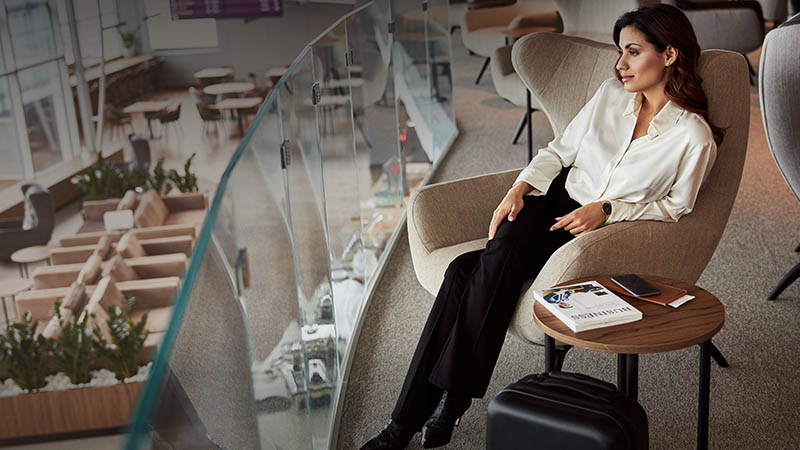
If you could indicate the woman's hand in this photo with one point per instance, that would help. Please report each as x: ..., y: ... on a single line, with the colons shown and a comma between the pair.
x: 509, y: 207
x: 582, y: 220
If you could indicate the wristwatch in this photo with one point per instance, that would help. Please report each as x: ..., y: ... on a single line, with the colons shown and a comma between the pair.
x: 607, y: 208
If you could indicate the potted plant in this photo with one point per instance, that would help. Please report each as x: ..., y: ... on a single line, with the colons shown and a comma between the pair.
x: 128, y: 42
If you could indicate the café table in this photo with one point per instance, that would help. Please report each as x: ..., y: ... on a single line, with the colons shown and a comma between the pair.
x: 233, y: 87
x: 237, y: 104
x: 140, y: 108
x: 213, y: 73
x: 29, y: 255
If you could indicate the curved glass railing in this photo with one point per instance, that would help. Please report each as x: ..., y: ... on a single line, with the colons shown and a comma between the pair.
x: 257, y: 348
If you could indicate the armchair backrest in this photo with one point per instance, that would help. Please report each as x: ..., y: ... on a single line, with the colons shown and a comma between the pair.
x: 778, y: 82
x: 563, y: 84
x: 39, y: 210
x: 141, y: 153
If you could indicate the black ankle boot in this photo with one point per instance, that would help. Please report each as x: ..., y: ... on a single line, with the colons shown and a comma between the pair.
x: 393, y: 436
x: 438, y: 430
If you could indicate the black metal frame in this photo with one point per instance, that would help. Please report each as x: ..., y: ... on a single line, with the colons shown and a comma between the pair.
x: 526, y: 121
x: 790, y: 277
x: 483, y: 69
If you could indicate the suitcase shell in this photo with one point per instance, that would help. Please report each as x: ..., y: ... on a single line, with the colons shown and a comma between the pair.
x: 565, y: 411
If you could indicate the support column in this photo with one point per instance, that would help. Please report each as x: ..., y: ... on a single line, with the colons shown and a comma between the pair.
x: 84, y: 101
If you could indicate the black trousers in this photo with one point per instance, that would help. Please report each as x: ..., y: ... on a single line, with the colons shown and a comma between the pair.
x: 467, y: 325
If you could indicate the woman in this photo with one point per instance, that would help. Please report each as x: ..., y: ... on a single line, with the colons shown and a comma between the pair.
x: 639, y: 149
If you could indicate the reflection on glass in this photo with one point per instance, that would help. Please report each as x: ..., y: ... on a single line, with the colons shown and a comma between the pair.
x: 31, y: 30
x: 38, y: 98
x: 11, y: 169
x: 310, y: 201
x: 2, y: 57
x: 310, y: 241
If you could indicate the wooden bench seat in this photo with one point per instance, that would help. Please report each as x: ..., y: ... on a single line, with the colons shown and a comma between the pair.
x: 62, y: 275
x: 157, y: 246
x: 89, y: 238
x: 152, y: 293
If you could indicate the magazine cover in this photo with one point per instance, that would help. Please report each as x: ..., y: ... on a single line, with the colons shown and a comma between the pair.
x: 586, y: 306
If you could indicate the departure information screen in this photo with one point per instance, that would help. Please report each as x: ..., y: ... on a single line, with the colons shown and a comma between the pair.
x: 221, y: 9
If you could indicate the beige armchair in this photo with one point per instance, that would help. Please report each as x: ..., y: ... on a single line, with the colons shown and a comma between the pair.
x: 563, y: 72
x: 482, y: 29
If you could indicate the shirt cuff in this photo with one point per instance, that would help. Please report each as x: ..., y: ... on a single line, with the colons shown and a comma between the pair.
x: 538, y: 184
x: 533, y: 191
x: 619, y: 211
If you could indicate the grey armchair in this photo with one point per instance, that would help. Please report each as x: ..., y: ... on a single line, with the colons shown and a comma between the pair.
x: 779, y: 77
x: 35, y: 228
x: 736, y: 26
x: 562, y: 73
x: 774, y: 10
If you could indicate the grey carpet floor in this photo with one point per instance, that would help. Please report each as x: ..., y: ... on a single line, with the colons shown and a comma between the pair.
x: 753, y: 402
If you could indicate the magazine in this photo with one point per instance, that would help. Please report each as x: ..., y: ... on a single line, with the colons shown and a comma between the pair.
x: 586, y: 306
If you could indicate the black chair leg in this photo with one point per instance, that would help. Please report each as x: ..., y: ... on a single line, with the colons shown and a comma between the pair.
x: 560, y: 355
x: 797, y: 249
x: 522, y: 124
x: 787, y: 280
x: 483, y: 69
x: 753, y: 74
x: 718, y: 357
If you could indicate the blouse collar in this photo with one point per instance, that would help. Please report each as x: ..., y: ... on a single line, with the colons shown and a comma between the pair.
x: 663, y: 121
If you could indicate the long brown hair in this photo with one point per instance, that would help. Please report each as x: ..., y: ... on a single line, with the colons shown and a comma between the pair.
x: 665, y: 25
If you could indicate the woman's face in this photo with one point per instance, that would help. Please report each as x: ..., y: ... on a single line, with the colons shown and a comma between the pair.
x: 640, y: 65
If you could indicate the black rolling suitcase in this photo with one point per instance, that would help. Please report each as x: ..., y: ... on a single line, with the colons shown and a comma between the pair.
x: 564, y: 411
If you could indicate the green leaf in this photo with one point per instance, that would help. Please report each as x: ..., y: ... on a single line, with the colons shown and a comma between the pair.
x: 26, y: 355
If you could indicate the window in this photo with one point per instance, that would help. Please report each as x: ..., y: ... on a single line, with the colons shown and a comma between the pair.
x: 31, y: 32
x: 88, y: 19
x: 12, y: 167
x: 168, y: 34
x: 36, y: 82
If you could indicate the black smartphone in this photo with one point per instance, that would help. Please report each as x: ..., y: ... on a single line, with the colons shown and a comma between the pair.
x: 635, y: 285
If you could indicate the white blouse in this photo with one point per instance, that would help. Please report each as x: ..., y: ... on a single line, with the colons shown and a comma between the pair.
x: 654, y: 177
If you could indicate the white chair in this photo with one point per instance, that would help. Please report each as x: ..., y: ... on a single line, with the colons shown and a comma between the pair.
x: 482, y: 29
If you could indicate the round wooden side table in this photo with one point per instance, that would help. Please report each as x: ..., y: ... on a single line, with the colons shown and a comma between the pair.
x: 10, y: 288
x: 29, y: 255
x: 661, y: 329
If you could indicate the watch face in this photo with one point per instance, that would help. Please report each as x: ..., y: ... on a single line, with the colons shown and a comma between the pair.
x: 607, y: 208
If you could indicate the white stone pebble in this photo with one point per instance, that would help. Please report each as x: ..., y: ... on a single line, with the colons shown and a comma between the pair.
x: 141, y: 375
x: 61, y: 382
x: 9, y: 388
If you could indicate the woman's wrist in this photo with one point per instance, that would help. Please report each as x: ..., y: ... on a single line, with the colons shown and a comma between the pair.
x: 521, y: 188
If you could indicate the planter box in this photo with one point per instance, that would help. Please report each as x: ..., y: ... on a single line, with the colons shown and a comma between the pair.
x: 70, y: 411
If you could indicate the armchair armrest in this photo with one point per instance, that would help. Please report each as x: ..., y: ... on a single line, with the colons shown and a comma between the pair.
x: 548, y: 19
x: 445, y: 214
x: 678, y: 250
x: 501, y: 61
x: 13, y: 223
